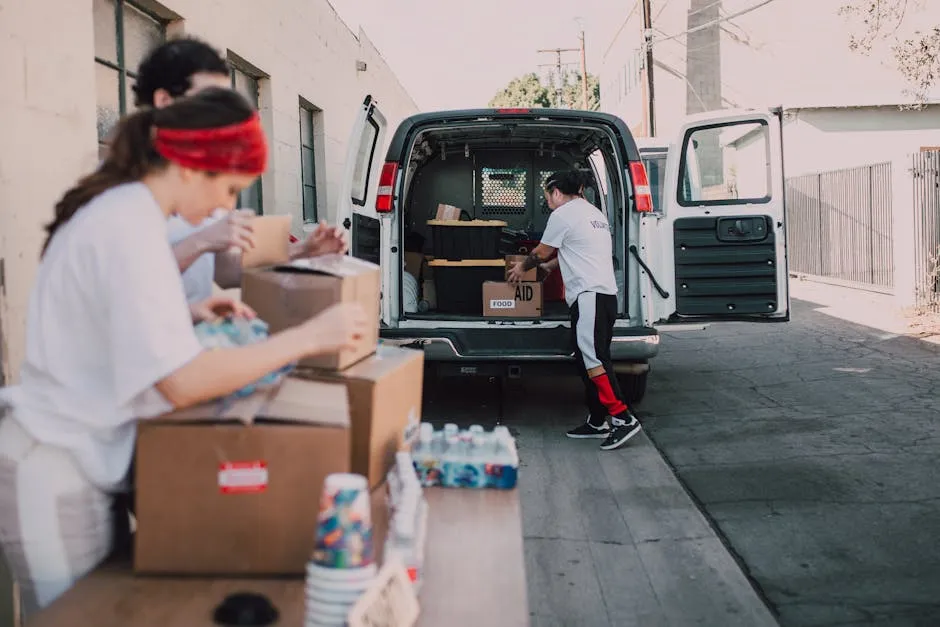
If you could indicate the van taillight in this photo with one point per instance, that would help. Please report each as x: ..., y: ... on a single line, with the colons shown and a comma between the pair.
x: 385, y: 197
x: 641, y: 187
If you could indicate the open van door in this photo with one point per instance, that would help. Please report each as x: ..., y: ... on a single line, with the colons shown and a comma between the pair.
x: 719, y: 241
x: 368, y: 234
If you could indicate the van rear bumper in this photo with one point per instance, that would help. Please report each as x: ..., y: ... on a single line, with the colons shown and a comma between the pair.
x: 637, y: 344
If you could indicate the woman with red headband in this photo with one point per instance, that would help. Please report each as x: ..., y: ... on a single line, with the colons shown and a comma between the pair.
x: 110, y: 340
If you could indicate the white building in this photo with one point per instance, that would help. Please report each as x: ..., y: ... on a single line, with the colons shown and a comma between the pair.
x: 67, y: 72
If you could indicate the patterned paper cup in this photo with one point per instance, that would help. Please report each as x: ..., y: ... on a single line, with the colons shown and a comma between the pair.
x: 344, y: 527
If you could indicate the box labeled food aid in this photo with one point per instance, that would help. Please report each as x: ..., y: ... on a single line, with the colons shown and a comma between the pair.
x: 504, y: 300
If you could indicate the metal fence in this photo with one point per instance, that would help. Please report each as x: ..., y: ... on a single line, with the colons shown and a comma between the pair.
x: 840, y: 226
x: 925, y: 176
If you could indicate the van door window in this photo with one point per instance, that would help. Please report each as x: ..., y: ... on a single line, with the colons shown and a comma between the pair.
x: 655, y: 165
x: 726, y: 165
x: 360, y: 182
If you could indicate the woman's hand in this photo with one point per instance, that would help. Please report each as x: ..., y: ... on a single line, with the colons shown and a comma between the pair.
x: 325, y: 240
x: 233, y: 232
x: 336, y: 329
x: 220, y: 306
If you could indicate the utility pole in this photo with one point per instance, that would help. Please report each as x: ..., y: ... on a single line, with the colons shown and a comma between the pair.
x: 584, y: 84
x: 648, y: 45
x: 561, y: 79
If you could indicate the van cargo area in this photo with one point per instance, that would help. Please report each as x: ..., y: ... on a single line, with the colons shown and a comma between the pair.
x: 472, y: 199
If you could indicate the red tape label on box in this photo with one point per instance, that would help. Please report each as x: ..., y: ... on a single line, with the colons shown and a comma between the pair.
x: 241, y: 477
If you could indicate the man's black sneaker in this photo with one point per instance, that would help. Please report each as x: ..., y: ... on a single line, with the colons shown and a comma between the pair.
x: 620, y: 434
x: 587, y: 430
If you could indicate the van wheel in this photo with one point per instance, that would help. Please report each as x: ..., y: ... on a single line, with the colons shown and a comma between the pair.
x: 633, y: 386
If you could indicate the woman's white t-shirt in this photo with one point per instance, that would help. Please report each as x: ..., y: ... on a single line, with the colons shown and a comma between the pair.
x: 107, y: 320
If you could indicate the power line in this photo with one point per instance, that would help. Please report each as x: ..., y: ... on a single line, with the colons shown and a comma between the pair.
x: 714, y: 22
x: 620, y: 30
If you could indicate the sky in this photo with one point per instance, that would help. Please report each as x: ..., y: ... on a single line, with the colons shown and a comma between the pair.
x: 460, y: 56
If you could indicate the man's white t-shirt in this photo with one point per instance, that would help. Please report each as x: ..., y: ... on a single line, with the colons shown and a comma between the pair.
x: 581, y: 233
x: 107, y: 320
x: 200, y: 276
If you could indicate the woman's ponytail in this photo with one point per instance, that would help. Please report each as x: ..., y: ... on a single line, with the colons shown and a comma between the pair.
x: 130, y: 157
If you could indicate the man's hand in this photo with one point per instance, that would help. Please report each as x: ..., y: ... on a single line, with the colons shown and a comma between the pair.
x: 533, y: 260
x: 234, y: 231
x: 220, y: 306
x: 325, y: 240
x: 516, y: 273
x: 543, y: 271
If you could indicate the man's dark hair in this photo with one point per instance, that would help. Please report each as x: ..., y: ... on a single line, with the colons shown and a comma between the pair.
x: 568, y: 182
x: 171, y: 66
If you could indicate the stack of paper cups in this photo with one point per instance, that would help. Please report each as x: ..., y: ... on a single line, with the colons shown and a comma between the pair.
x: 343, y: 564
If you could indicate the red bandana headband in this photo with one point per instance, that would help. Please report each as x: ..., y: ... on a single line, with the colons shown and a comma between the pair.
x: 237, y: 148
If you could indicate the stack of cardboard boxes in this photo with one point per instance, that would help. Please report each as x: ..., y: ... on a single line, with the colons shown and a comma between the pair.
x: 233, y: 487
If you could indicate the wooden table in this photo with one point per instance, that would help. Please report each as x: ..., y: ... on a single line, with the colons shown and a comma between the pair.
x: 474, y: 575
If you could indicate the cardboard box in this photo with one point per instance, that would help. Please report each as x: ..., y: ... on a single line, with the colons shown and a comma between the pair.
x: 447, y: 212
x: 414, y: 263
x: 233, y: 488
x: 287, y: 295
x: 384, y: 401
x: 502, y: 300
x: 511, y: 260
x: 272, y: 242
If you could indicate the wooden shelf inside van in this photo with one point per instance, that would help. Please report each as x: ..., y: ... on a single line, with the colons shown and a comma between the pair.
x: 463, y: 263
x: 465, y: 223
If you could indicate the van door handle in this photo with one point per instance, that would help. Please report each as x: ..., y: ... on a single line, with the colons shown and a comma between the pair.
x: 636, y: 255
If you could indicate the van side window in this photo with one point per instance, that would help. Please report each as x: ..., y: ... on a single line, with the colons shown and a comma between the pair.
x: 726, y: 165
x: 360, y: 184
x: 656, y: 173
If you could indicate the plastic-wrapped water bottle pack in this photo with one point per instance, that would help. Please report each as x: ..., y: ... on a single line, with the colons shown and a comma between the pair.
x: 233, y: 332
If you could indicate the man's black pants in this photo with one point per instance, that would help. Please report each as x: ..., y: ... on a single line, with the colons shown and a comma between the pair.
x: 592, y: 328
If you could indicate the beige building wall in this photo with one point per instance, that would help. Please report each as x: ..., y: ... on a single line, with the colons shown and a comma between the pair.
x: 300, y: 50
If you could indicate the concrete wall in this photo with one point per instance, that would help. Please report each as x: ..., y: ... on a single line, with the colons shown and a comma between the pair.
x: 49, y: 109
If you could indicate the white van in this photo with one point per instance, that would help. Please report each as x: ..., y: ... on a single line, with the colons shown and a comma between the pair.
x: 704, y: 243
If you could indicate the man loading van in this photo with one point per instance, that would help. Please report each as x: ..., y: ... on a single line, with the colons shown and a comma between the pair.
x: 580, y: 234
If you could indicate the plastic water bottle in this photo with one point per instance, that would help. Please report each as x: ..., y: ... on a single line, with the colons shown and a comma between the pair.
x: 505, y: 464
x: 477, y: 460
x: 452, y: 460
x: 426, y: 462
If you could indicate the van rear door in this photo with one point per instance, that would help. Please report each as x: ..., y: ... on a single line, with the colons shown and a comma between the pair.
x: 719, y: 242
x: 369, y: 233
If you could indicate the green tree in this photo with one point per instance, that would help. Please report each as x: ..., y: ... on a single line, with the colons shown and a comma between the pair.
x: 524, y: 91
x: 916, y: 54
x: 573, y: 94
x: 530, y: 91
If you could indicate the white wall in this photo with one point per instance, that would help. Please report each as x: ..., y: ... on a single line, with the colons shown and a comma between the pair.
x: 49, y: 117
x: 817, y: 140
